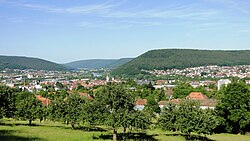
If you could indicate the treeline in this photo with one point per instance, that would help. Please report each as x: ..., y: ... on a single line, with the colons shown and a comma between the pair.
x: 98, y: 63
x: 182, y: 58
x: 16, y: 62
x: 113, y: 105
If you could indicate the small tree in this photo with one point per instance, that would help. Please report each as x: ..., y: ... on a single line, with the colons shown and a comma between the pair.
x: 186, y: 121
x: 234, y: 108
x: 168, y: 117
x: 28, y: 108
x: 68, y: 109
x: 7, y: 104
x: 188, y: 117
x: 152, y: 105
x: 207, y: 122
x: 117, y: 106
x: 74, y: 108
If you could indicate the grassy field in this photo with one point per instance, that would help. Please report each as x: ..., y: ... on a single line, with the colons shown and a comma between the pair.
x: 11, y: 130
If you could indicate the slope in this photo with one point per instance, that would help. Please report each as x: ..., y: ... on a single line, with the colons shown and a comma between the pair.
x: 98, y: 63
x: 183, y: 58
x: 18, y: 62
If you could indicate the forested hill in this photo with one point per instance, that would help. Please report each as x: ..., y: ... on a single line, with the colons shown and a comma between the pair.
x: 183, y: 58
x: 98, y: 63
x: 18, y: 62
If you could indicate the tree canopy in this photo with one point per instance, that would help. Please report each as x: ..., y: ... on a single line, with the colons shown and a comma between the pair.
x: 234, y: 108
x: 182, y: 58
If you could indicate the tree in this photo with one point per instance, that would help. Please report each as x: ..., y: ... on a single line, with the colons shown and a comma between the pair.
x: 74, y: 108
x: 56, y: 110
x: 188, y: 117
x: 93, y: 113
x: 28, y: 108
x: 152, y: 105
x: 140, y: 120
x: 7, y: 104
x: 67, y: 108
x: 187, y: 111
x: 207, y: 121
x: 168, y: 117
x: 117, y: 106
x: 234, y: 108
x: 59, y: 85
x: 161, y: 95
x: 182, y: 90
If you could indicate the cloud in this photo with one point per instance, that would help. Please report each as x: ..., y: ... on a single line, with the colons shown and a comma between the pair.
x: 85, y: 9
x: 117, y: 14
x: 123, y: 24
x: 178, y: 12
x: 241, y: 6
x: 111, y: 9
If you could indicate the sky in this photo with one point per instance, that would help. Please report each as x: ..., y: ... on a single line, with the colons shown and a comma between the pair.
x: 68, y: 30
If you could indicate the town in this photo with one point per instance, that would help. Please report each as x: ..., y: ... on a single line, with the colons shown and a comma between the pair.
x: 36, y: 80
x: 241, y: 71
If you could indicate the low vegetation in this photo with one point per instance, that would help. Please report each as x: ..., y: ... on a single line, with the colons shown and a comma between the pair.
x: 12, y: 130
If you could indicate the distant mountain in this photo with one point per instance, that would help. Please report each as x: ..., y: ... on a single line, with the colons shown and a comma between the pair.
x: 98, y: 63
x: 18, y: 62
x: 183, y: 58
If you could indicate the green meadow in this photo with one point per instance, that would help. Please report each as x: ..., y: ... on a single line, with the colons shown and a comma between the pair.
x: 11, y: 130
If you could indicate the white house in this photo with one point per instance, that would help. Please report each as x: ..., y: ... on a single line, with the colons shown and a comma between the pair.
x: 223, y: 82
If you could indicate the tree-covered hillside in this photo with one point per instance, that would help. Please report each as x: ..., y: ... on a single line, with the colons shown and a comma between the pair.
x: 16, y: 62
x: 183, y: 58
x: 98, y: 63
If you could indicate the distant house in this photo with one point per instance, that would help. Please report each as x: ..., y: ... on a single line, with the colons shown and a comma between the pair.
x: 208, y: 104
x: 163, y: 103
x: 140, y: 104
x: 195, y: 84
x: 223, y: 82
x: 45, y: 101
x: 248, y: 82
x: 82, y: 94
x: 176, y: 101
x: 86, y: 95
x: 159, y: 86
x: 161, y: 82
x: 196, y: 96
x: 205, y: 103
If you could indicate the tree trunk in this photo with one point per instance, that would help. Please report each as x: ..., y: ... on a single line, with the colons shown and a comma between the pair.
x: 114, y: 135
x: 41, y: 119
x: 124, y: 133
x: 30, y: 121
x: 73, y: 125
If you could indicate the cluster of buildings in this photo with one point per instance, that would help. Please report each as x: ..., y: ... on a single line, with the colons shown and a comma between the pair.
x: 167, y: 84
x: 36, y: 80
x: 205, y: 102
x: 241, y: 71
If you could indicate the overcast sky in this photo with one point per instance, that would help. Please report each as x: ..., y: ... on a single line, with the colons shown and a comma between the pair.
x: 69, y: 30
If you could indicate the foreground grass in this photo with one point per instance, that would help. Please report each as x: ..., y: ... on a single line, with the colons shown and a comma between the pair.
x: 11, y: 130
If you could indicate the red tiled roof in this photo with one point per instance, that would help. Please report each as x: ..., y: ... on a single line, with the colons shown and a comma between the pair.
x: 141, y: 102
x: 45, y: 101
x: 196, y: 96
x: 208, y: 102
x: 176, y: 101
x: 82, y: 94
x: 163, y: 102
x: 86, y: 95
